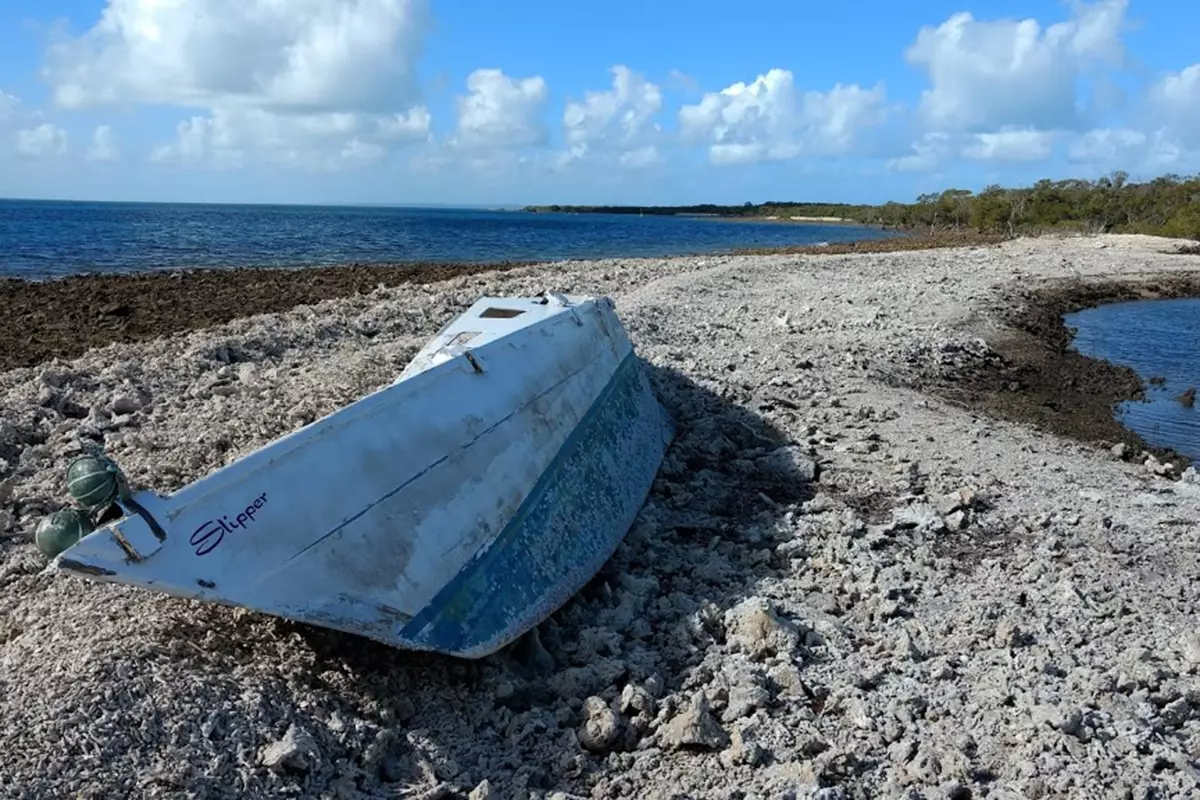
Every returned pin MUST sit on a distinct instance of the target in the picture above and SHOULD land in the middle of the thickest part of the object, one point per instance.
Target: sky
(431, 102)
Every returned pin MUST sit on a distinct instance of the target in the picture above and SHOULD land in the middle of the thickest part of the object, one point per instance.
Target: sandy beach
(899, 549)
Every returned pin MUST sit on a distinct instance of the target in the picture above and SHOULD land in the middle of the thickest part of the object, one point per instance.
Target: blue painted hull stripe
(566, 528)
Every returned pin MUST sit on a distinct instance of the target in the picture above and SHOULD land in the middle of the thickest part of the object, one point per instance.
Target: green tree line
(1165, 206)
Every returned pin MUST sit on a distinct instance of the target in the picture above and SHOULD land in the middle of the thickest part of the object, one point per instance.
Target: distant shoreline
(61, 317)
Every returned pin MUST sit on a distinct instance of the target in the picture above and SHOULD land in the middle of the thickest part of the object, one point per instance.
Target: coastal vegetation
(1165, 206)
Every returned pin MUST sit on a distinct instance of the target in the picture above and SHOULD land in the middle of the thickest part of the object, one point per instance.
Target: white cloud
(500, 112)
(926, 154)
(1107, 146)
(44, 140)
(1175, 102)
(1168, 139)
(332, 85)
(310, 55)
(9, 107)
(1132, 150)
(769, 120)
(1010, 145)
(328, 141)
(616, 121)
(104, 145)
(640, 157)
(25, 134)
(310, 83)
(358, 153)
(988, 75)
(410, 127)
(196, 139)
(682, 81)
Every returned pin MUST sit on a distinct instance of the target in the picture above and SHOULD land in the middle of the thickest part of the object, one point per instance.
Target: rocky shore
(898, 550)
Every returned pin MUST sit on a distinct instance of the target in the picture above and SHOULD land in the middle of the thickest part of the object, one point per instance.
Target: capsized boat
(450, 511)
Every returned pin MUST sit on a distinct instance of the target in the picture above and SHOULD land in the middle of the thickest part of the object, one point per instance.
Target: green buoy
(58, 531)
(94, 481)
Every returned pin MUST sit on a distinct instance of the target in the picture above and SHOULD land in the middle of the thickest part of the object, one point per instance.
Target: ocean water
(1159, 340)
(42, 239)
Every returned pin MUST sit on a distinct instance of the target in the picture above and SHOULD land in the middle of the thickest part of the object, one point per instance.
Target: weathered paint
(449, 511)
(566, 529)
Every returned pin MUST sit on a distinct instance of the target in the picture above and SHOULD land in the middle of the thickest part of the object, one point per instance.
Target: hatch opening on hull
(501, 313)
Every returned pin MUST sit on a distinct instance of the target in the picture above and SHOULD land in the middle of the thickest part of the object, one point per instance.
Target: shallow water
(1158, 339)
(41, 239)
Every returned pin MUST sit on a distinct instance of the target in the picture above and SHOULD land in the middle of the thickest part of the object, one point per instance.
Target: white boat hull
(450, 511)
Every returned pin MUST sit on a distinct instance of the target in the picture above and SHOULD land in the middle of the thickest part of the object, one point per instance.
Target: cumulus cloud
(1107, 145)
(24, 134)
(309, 55)
(1175, 101)
(770, 120)
(1010, 145)
(103, 146)
(307, 82)
(989, 74)
(927, 153)
(332, 140)
(1168, 139)
(616, 122)
(333, 84)
(500, 112)
(43, 140)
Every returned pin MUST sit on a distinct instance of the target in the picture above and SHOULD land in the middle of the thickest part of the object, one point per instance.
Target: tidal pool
(1160, 341)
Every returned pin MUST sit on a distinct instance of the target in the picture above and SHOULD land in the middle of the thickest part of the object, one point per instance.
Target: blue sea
(44, 239)
(1157, 339)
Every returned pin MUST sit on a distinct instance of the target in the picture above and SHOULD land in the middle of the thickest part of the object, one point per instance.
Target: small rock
(787, 680)
(941, 670)
(125, 403)
(636, 700)
(859, 714)
(956, 521)
(755, 629)
(818, 505)
(1176, 712)
(54, 378)
(789, 464)
(1069, 722)
(746, 695)
(948, 503)
(483, 791)
(694, 728)
(1008, 633)
(921, 516)
(1189, 645)
(297, 750)
(1155, 467)
(602, 726)
(741, 751)
(902, 751)
(1120, 451)
(906, 648)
